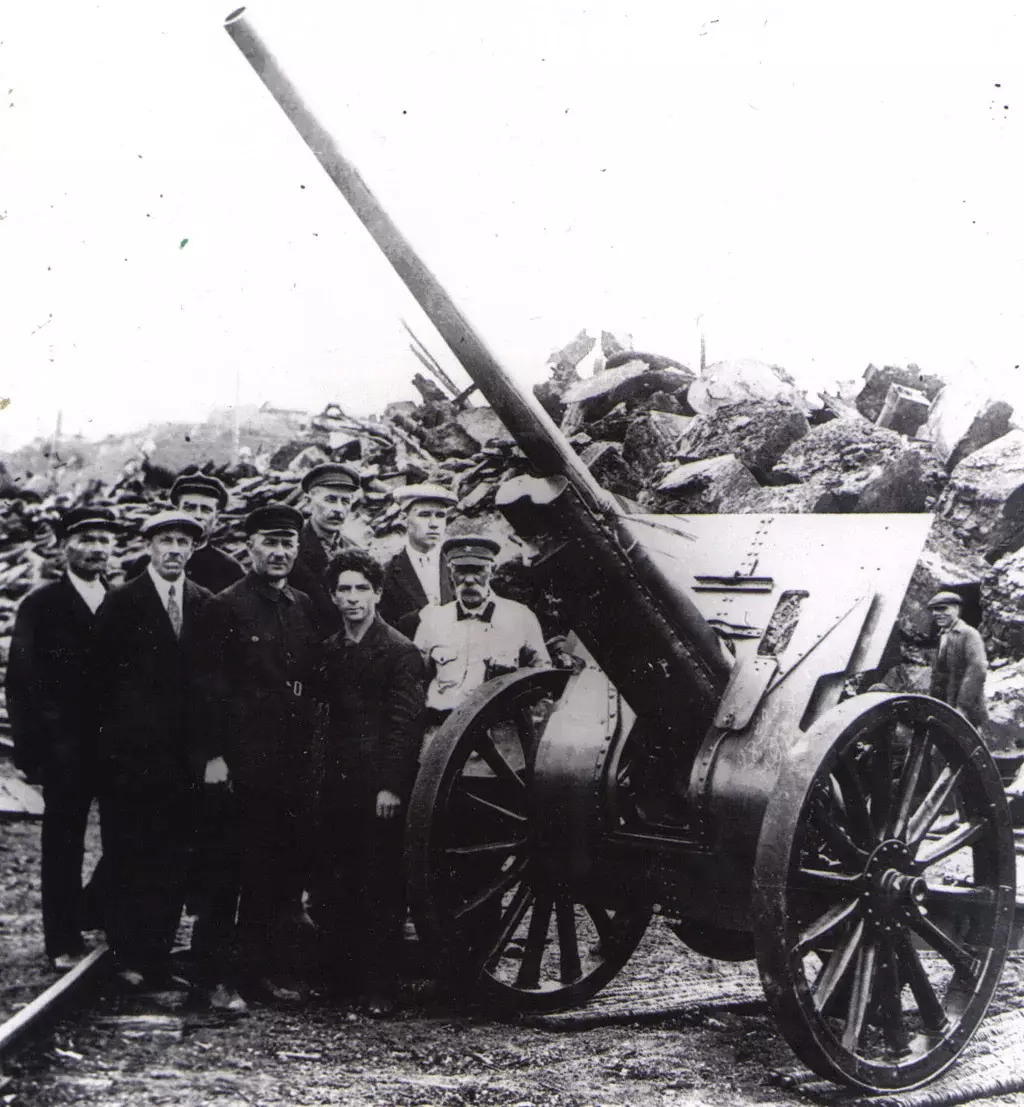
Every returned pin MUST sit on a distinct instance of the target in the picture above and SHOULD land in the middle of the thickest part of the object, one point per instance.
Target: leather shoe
(279, 991)
(226, 1000)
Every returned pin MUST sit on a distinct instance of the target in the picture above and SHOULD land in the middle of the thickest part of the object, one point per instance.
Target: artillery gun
(705, 764)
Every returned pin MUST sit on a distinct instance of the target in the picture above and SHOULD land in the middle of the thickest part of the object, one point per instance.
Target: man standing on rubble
(961, 665)
(260, 721)
(478, 635)
(330, 491)
(50, 704)
(204, 498)
(147, 632)
(371, 679)
(416, 576)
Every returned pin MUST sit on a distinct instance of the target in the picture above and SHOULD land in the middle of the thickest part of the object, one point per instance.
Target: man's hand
(388, 804)
(216, 771)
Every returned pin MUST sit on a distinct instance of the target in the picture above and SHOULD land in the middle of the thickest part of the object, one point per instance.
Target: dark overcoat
(208, 567)
(308, 576)
(958, 676)
(403, 598)
(50, 695)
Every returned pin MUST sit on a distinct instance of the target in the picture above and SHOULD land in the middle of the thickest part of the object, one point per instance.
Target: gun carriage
(705, 764)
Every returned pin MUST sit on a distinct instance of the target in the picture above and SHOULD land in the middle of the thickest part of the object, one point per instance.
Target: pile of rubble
(734, 437)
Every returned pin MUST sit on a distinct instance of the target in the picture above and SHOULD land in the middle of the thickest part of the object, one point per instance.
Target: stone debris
(872, 397)
(981, 487)
(731, 382)
(963, 419)
(904, 410)
(757, 432)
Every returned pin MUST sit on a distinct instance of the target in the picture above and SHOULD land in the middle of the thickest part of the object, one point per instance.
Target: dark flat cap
(87, 518)
(420, 493)
(332, 474)
(470, 549)
(940, 599)
(200, 484)
(171, 520)
(273, 517)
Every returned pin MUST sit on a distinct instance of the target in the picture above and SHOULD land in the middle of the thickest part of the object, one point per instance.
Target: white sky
(826, 185)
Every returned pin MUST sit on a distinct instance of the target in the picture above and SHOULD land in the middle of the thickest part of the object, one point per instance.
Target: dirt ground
(436, 1052)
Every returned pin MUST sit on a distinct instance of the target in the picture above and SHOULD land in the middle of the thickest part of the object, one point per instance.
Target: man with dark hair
(146, 638)
(330, 489)
(259, 664)
(372, 680)
(50, 703)
(416, 575)
(204, 498)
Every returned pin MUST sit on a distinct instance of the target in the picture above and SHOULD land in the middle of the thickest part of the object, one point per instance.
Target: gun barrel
(526, 420)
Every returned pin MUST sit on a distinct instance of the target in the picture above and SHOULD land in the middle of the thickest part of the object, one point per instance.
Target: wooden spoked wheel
(493, 921)
(884, 891)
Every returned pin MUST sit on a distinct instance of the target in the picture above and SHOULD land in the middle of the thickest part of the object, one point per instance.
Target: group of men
(252, 734)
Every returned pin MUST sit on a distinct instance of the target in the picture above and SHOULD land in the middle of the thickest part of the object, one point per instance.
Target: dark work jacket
(958, 676)
(50, 694)
(208, 567)
(259, 659)
(403, 598)
(146, 684)
(375, 692)
(308, 576)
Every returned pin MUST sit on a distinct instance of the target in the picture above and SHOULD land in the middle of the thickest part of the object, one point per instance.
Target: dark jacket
(208, 567)
(403, 598)
(50, 695)
(958, 675)
(375, 692)
(145, 683)
(258, 680)
(308, 576)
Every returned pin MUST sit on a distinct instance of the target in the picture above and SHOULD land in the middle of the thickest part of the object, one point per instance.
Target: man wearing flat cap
(147, 633)
(478, 635)
(330, 491)
(50, 704)
(204, 498)
(958, 675)
(416, 576)
(260, 657)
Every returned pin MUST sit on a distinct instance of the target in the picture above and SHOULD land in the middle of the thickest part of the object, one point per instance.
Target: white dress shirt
(427, 567)
(163, 590)
(92, 591)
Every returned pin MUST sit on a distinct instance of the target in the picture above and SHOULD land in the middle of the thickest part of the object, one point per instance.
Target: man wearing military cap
(478, 635)
(416, 576)
(330, 490)
(204, 498)
(50, 704)
(260, 655)
(958, 675)
(147, 634)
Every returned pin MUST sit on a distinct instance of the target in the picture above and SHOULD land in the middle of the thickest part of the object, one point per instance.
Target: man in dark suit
(204, 498)
(958, 676)
(260, 658)
(417, 576)
(50, 703)
(372, 680)
(147, 633)
(330, 492)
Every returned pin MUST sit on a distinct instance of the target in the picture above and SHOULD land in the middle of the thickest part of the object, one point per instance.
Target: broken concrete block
(449, 440)
(704, 487)
(1004, 696)
(908, 482)
(944, 564)
(610, 469)
(840, 457)
(631, 382)
(484, 425)
(1002, 602)
(981, 487)
(758, 432)
(873, 393)
(731, 382)
(963, 419)
(652, 439)
(904, 410)
(611, 427)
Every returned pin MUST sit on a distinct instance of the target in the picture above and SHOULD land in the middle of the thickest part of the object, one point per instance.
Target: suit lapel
(410, 579)
(155, 613)
(72, 597)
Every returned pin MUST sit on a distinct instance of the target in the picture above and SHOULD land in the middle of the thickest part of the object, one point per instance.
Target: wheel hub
(892, 891)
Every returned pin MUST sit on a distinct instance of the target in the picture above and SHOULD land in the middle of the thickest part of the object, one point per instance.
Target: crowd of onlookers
(252, 735)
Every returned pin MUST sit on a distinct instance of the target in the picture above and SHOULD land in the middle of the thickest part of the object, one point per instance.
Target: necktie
(174, 610)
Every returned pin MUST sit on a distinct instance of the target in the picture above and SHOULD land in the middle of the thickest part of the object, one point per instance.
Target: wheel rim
(479, 898)
(885, 886)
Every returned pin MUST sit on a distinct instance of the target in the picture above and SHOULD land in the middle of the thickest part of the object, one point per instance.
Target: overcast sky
(822, 185)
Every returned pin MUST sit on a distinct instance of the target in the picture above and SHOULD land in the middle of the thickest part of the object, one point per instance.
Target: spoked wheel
(884, 891)
(480, 900)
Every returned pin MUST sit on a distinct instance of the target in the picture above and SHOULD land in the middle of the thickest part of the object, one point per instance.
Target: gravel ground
(158, 1051)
